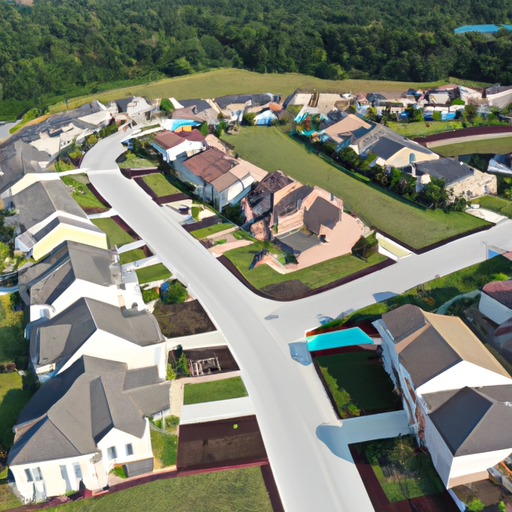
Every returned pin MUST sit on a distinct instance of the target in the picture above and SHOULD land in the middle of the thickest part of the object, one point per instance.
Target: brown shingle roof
(193, 135)
(500, 291)
(168, 139)
(209, 164)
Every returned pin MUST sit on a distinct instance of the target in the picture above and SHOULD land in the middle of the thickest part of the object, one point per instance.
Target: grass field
(366, 381)
(131, 256)
(496, 204)
(403, 220)
(420, 129)
(213, 391)
(137, 162)
(210, 230)
(152, 273)
(116, 234)
(82, 195)
(220, 82)
(7, 498)
(159, 185)
(313, 277)
(498, 146)
(218, 491)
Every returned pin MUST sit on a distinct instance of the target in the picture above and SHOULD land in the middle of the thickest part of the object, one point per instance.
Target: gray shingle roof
(446, 168)
(44, 282)
(40, 200)
(429, 344)
(199, 104)
(72, 412)
(57, 339)
(474, 420)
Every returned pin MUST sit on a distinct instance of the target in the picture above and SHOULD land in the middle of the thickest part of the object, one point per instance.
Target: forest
(54, 47)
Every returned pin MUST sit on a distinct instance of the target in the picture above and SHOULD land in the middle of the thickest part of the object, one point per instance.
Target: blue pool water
(343, 338)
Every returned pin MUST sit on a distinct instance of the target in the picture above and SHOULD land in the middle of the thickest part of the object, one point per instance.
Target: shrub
(249, 118)
(149, 294)
(92, 139)
(170, 373)
(118, 471)
(166, 105)
(233, 213)
(475, 505)
(176, 293)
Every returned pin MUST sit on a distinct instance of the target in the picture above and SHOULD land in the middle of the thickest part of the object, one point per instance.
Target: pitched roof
(224, 181)
(45, 281)
(193, 135)
(321, 213)
(72, 412)
(57, 339)
(347, 125)
(43, 198)
(446, 168)
(199, 104)
(500, 291)
(209, 164)
(254, 99)
(122, 103)
(473, 420)
(428, 344)
(272, 183)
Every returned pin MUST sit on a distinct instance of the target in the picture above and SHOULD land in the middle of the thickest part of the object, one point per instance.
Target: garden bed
(177, 320)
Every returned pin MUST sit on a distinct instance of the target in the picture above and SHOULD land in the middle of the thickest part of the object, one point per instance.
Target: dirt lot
(182, 319)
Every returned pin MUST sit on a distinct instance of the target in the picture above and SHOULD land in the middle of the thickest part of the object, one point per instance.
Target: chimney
(413, 170)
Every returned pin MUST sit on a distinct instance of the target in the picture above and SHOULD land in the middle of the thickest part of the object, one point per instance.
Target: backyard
(218, 491)
(215, 390)
(117, 236)
(210, 230)
(311, 277)
(153, 273)
(362, 376)
(82, 195)
(165, 446)
(405, 221)
(160, 185)
(496, 204)
(420, 129)
(498, 146)
(402, 470)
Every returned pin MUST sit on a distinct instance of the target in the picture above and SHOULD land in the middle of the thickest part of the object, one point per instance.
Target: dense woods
(56, 46)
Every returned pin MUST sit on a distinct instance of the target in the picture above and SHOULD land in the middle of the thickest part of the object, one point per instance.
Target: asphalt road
(306, 445)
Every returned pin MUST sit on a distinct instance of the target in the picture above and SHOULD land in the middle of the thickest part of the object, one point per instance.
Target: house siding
(493, 309)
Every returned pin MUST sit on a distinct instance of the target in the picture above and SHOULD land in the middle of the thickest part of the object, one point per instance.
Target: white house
(496, 301)
(81, 424)
(97, 329)
(456, 395)
(73, 271)
(182, 144)
(46, 216)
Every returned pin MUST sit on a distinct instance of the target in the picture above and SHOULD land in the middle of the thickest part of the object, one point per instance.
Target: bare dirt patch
(182, 319)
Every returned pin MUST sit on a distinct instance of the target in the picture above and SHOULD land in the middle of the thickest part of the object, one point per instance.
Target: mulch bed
(171, 198)
(218, 443)
(289, 290)
(89, 210)
(223, 354)
(182, 319)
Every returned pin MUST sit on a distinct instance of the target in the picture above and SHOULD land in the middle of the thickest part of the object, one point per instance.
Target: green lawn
(82, 195)
(153, 273)
(496, 204)
(13, 346)
(420, 129)
(7, 498)
(165, 449)
(232, 490)
(435, 293)
(220, 82)
(116, 234)
(498, 146)
(62, 166)
(160, 185)
(210, 230)
(365, 379)
(407, 222)
(131, 256)
(213, 391)
(137, 162)
(313, 277)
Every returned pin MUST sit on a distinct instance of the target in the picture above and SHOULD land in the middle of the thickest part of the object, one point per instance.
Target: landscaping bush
(118, 471)
(149, 294)
(170, 373)
(233, 213)
(166, 105)
(176, 293)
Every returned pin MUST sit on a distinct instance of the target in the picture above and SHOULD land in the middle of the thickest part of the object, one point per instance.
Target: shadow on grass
(10, 408)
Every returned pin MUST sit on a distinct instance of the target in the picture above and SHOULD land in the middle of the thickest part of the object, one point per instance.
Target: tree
(249, 118)
(166, 105)
(436, 192)
(470, 113)
(176, 293)
(414, 114)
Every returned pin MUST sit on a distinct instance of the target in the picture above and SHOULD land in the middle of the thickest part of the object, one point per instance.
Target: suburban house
(183, 144)
(399, 153)
(20, 165)
(204, 110)
(496, 301)
(217, 177)
(46, 216)
(94, 328)
(135, 108)
(81, 424)
(455, 393)
(73, 271)
(459, 177)
(345, 132)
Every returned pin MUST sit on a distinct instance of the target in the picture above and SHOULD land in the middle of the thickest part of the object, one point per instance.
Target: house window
(112, 453)
(38, 476)
(129, 449)
(78, 471)
(28, 474)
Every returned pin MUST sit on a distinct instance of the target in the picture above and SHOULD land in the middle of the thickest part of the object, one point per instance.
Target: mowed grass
(365, 380)
(160, 186)
(498, 146)
(218, 491)
(116, 234)
(496, 204)
(271, 149)
(153, 273)
(82, 195)
(220, 82)
(131, 256)
(12, 400)
(420, 129)
(313, 276)
(210, 230)
(7, 498)
(212, 391)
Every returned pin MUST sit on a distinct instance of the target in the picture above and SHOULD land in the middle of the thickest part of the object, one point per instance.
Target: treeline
(56, 46)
